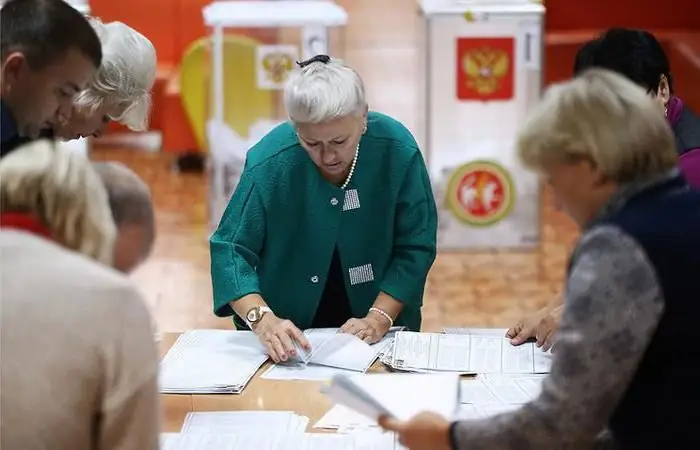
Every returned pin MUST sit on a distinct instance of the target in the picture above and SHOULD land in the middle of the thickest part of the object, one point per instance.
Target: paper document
(238, 422)
(466, 353)
(397, 395)
(491, 394)
(280, 441)
(332, 353)
(500, 332)
(211, 361)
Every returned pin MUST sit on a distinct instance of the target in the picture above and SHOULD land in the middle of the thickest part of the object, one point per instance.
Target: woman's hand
(281, 337)
(370, 329)
(426, 431)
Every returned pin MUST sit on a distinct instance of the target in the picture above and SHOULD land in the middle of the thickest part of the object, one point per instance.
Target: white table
(484, 72)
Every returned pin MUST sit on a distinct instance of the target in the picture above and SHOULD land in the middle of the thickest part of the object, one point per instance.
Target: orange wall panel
(155, 19)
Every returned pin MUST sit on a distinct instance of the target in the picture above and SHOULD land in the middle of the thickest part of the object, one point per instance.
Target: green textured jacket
(281, 226)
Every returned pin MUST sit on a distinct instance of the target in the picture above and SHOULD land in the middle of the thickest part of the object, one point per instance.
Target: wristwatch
(255, 315)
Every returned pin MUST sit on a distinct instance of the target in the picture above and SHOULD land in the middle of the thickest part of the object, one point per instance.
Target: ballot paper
(238, 422)
(211, 362)
(332, 353)
(491, 389)
(401, 396)
(500, 332)
(281, 441)
(465, 353)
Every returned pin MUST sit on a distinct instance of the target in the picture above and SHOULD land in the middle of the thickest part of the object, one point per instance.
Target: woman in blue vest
(333, 223)
(625, 372)
(637, 55)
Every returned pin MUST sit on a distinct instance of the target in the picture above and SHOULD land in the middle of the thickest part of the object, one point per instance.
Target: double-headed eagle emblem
(277, 65)
(485, 68)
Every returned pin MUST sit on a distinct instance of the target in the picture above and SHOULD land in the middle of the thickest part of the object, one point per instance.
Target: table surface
(302, 397)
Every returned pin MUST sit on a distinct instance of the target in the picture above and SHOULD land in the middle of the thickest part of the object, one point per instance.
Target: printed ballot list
(467, 353)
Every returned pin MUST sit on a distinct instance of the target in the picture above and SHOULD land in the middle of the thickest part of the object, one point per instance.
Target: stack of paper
(491, 394)
(280, 441)
(331, 353)
(465, 354)
(396, 395)
(240, 422)
(211, 361)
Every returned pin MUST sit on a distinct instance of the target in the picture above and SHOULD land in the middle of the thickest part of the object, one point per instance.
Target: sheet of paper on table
(280, 441)
(237, 422)
(397, 395)
(332, 353)
(465, 353)
(211, 362)
(494, 389)
(500, 332)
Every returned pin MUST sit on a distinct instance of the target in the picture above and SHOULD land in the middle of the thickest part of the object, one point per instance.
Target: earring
(364, 130)
(666, 109)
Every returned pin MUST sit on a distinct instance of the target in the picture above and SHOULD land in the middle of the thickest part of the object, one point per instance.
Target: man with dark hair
(638, 56)
(49, 53)
(132, 210)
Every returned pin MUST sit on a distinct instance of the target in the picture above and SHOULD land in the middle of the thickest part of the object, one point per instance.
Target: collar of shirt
(24, 222)
(8, 127)
(626, 192)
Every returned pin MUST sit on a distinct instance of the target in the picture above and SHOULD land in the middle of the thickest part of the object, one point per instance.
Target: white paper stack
(241, 422)
(401, 396)
(211, 362)
(332, 353)
(279, 441)
(465, 354)
(491, 394)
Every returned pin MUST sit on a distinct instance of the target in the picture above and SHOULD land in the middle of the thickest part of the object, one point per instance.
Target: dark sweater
(661, 400)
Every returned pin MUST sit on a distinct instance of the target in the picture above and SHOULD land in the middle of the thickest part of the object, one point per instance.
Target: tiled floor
(468, 288)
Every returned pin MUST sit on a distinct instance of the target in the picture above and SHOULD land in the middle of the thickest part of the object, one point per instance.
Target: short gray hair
(125, 77)
(129, 197)
(602, 117)
(321, 92)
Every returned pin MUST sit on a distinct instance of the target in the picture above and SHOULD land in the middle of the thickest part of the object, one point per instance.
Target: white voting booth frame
(227, 149)
(484, 73)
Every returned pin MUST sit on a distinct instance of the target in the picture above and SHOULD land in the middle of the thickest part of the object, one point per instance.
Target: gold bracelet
(383, 314)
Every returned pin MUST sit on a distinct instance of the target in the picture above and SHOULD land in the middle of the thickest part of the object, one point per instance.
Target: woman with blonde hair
(57, 193)
(73, 329)
(624, 371)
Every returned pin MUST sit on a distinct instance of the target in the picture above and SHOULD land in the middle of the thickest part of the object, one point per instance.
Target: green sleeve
(415, 237)
(235, 246)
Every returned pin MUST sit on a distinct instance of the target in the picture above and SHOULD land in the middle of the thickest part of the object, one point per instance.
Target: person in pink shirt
(638, 55)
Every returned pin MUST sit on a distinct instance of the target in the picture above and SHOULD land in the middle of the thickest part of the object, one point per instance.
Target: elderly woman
(71, 325)
(627, 351)
(120, 90)
(638, 56)
(333, 223)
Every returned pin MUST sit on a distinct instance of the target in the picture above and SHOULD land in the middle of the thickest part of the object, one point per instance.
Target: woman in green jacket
(333, 222)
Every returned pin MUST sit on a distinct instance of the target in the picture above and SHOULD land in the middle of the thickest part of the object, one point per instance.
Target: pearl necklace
(352, 168)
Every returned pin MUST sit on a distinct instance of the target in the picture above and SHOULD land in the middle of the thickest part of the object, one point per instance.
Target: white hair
(321, 92)
(125, 77)
(62, 190)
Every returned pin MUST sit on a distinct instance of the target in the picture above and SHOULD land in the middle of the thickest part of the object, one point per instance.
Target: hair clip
(325, 59)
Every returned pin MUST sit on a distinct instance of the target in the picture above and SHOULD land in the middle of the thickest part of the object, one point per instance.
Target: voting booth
(241, 112)
(484, 73)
